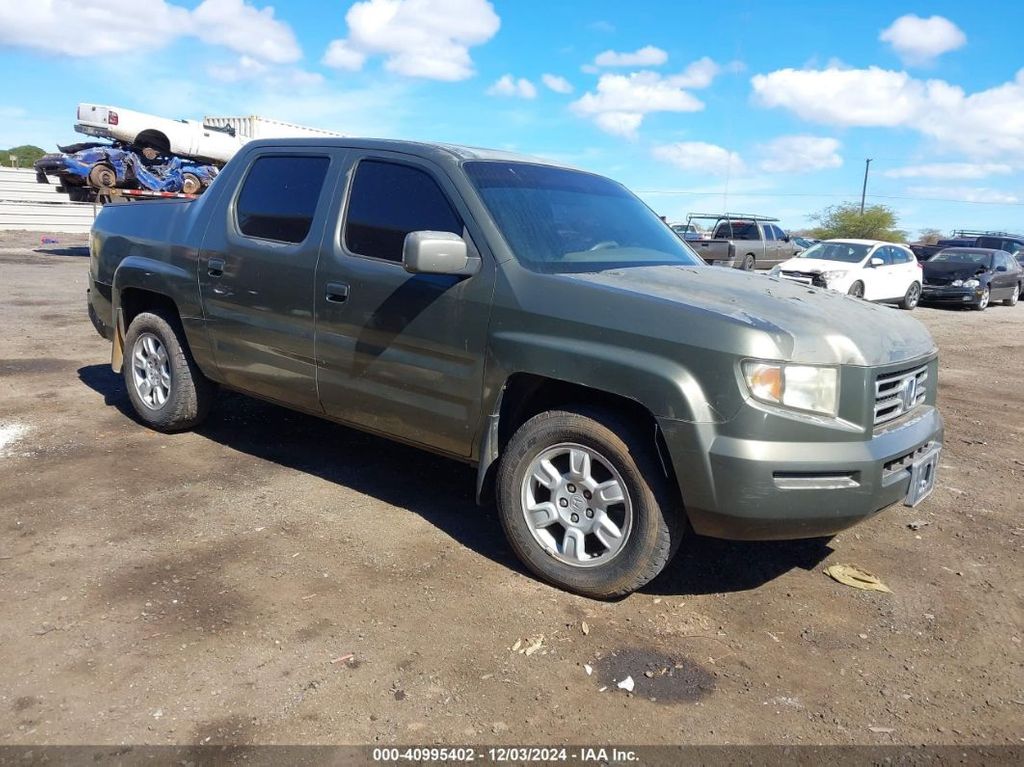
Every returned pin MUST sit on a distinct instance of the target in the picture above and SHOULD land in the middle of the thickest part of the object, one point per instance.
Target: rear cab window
(387, 201)
(279, 197)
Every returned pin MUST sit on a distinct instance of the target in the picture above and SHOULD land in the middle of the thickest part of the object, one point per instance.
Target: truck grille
(899, 393)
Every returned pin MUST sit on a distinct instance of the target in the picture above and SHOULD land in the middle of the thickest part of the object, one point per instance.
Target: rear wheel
(912, 297)
(585, 503)
(983, 302)
(748, 263)
(1014, 297)
(856, 290)
(166, 387)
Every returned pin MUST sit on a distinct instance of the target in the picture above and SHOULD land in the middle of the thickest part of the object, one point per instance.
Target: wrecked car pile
(87, 171)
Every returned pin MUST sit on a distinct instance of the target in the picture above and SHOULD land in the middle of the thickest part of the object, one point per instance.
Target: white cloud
(620, 102)
(418, 38)
(700, 157)
(111, 27)
(557, 83)
(507, 85)
(921, 41)
(950, 170)
(965, 193)
(98, 28)
(242, 28)
(799, 154)
(985, 124)
(250, 69)
(648, 56)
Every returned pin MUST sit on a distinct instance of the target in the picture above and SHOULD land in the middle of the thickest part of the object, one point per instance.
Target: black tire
(1014, 297)
(190, 392)
(658, 519)
(912, 298)
(984, 301)
(748, 263)
(856, 290)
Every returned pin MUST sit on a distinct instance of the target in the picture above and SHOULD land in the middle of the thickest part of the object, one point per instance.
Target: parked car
(869, 269)
(804, 242)
(744, 242)
(538, 322)
(973, 277)
(97, 166)
(963, 238)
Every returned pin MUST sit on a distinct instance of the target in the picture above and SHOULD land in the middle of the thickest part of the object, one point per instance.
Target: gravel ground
(272, 578)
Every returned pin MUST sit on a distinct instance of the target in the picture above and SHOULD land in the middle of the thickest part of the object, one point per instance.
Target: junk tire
(190, 183)
(190, 393)
(657, 523)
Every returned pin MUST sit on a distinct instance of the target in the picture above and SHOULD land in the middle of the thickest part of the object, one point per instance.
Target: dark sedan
(972, 277)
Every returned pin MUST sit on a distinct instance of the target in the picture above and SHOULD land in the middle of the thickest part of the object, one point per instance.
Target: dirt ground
(272, 578)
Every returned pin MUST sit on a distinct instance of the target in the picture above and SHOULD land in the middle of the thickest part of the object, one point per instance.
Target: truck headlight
(836, 275)
(971, 284)
(801, 387)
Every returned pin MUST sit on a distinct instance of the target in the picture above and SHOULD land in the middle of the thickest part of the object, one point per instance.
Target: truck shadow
(441, 490)
(81, 251)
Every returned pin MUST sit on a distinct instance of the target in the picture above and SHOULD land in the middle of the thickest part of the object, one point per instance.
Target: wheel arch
(525, 395)
(154, 138)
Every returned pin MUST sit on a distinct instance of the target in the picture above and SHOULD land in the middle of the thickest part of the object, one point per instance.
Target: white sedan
(868, 269)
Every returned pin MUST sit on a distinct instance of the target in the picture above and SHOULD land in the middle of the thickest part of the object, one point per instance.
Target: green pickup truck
(615, 393)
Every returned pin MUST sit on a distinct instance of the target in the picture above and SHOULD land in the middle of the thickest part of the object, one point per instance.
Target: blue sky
(764, 107)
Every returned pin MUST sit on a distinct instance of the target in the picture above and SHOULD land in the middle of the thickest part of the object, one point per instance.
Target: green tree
(877, 222)
(26, 155)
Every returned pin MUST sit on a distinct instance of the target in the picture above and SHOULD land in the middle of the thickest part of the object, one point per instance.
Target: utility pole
(864, 189)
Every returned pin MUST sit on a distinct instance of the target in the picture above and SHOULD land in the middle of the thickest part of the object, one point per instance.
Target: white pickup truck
(214, 139)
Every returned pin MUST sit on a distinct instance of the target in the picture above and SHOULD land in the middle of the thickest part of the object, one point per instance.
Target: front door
(398, 353)
(256, 272)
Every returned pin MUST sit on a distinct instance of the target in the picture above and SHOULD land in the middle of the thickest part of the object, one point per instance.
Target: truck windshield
(558, 220)
(847, 252)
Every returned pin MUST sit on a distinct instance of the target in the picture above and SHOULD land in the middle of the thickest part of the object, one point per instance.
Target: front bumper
(949, 294)
(747, 489)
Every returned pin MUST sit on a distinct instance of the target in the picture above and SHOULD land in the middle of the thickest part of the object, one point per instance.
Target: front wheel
(1014, 297)
(585, 504)
(856, 290)
(913, 296)
(983, 302)
(166, 387)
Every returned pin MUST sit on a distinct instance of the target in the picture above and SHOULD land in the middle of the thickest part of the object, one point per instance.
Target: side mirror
(438, 253)
(786, 237)
(876, 261)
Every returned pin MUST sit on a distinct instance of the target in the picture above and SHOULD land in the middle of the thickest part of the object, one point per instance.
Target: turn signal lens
(764, 381)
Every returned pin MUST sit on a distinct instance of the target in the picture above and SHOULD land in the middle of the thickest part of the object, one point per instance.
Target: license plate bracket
(922, 476)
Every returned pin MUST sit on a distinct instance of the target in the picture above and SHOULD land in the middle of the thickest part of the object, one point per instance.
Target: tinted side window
(769, 233)
(779, 234)
(901, 256)
(279, 197)
(387, 202)
(885, 254)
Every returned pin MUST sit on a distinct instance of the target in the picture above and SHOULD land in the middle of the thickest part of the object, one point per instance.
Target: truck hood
(953, 270)
(759, 315)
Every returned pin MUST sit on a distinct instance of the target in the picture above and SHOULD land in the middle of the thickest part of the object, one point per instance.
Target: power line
(705, 193)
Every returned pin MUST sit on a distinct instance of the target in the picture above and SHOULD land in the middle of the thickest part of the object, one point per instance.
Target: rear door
(905, 269)
(401, 354)
(256, 272)
(1003, 282)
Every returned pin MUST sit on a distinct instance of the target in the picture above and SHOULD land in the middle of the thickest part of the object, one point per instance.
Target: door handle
(337, 292)
(215, 267)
